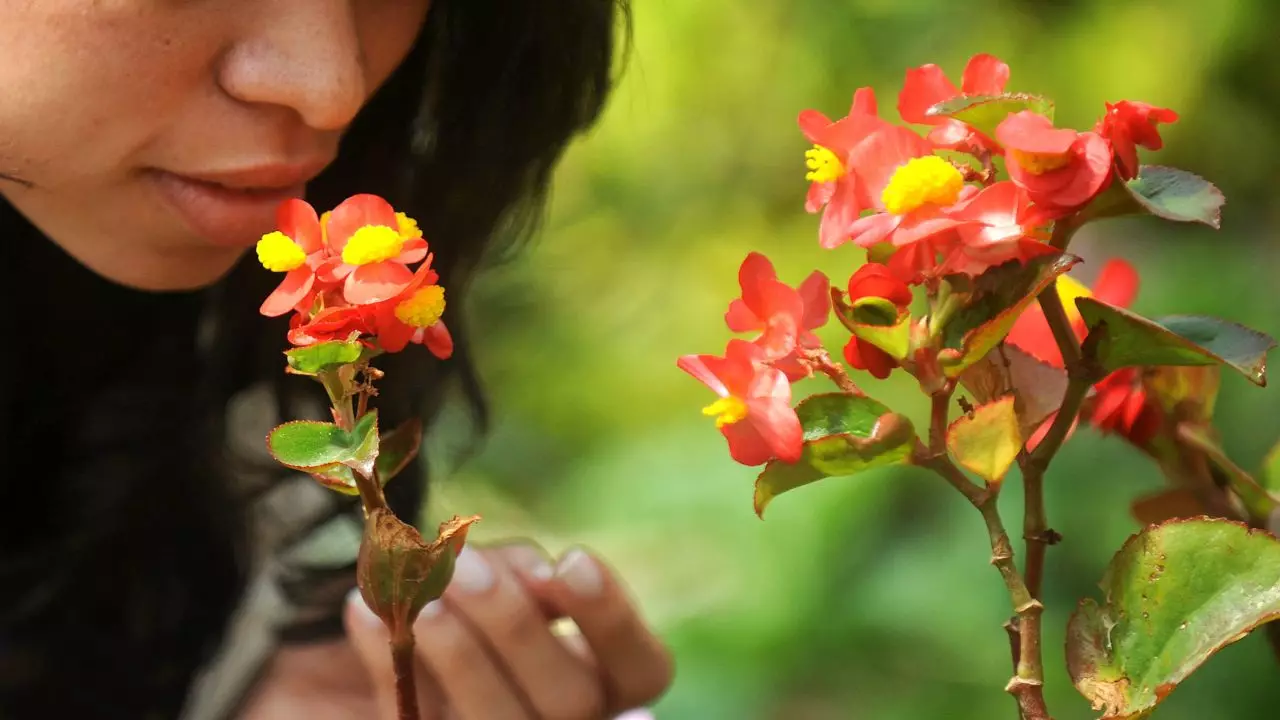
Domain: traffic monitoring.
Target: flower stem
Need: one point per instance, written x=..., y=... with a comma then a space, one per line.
x=402, y=658
x=822, y=362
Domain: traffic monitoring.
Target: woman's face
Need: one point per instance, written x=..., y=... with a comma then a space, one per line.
x=159, y=135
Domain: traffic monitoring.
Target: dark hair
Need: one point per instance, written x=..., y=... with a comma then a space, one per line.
x=125, y=555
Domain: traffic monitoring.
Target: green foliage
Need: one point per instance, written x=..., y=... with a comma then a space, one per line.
x=1175, y=594
x=1127, y=339
x=317, y=446
x=1176, y=195
x=396, y=450
x=877, y=321
x=843, y=435
x=984, y=113
x=314, y=359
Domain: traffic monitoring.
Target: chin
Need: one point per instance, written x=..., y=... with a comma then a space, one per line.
x=173, y=271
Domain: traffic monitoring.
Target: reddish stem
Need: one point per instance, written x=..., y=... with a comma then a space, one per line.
x=402, y=658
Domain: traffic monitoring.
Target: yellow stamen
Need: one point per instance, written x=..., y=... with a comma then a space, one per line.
x=408, y=227
x=823, y=165
x=324, y=226
x=279, y=253
x=921, y=181
x=371, y=244
x=1069, y=290
x=726, y=411
x=1040, y=163
x=423, y=308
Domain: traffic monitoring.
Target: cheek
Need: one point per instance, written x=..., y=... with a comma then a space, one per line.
x=86, y=87
x=388, y=29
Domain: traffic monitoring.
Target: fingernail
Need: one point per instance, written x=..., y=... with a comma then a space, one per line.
x=635, y=715
x=366, y=616
x=580, y=572
x=531, y=562
x=431, y=610
x=472, y=575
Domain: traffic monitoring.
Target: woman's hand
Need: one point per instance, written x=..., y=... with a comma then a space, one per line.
x=486, y=650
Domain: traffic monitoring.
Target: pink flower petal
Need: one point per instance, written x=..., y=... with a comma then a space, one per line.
x=291, y=290
x=376, y=282
x=984, y=75
x=356, y=212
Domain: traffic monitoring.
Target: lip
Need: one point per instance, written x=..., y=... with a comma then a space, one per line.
x=233, y=208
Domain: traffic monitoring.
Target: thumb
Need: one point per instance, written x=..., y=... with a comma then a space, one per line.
x=372, y=644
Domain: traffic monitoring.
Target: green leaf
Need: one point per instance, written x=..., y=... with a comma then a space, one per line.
x=1128, y=339
x=1271, y=470
x=396, y=450
x=310, y=445
x=1174, y=595
x=843, y=435
x=987, y=441
x=984, y=113
x=314, y=359
x=1176, y=195
x=874, y=311
x=991, y=313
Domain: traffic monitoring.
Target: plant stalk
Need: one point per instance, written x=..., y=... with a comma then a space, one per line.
x=402, y=658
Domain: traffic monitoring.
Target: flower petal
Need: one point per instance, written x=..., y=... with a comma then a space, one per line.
x=740, y=318
x=356, y=212
x=438, y=340
x=777, y=424
x=984, y=75
x=297, y=219
x=841, y=212
x=923, y=88
x=291, y=291
x=755, y=271
x=815, y=291
x=1117, y=284
x=376, y=282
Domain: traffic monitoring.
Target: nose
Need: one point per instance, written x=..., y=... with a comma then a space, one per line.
x=304, y=55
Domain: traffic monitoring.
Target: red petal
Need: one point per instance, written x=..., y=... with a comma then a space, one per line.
x=376, y=282
x=1117, y=284
x=753, y=273
x=291, y=290
x=876, y=159
x=746, y=445
x=776, y=423
x=984, y=75
x=871, y=229
x=1032, y=335
x=863, y=355
x=1029, y=132
x=739, y=318
x=876, y=280
x=414, y=250
x=815, y=291
x=705, y=369
x=356, y=212
x=297, y=219
x=818, y=196
x=841, y=211
x=923, y=88
x=864, y=102
x=812, y=123
x=438, y=341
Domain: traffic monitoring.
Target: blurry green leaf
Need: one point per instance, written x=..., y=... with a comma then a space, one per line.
x=396, y=450
x=1176, y=195
x=309, y=445
x=987, y=441
x=874, y=311
x=314, y=359
x=1190, y=392
x=1271, y=470
x=984, y=113
x=843, y=435
x=991, y=314
x=1260, y=505
x=1128, y=339
x=1175, y=594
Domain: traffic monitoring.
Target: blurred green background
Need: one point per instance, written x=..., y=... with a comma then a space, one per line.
x=867, y=597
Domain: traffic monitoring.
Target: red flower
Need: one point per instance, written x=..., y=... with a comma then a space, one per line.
x=999, y=224
x=928, y=85
x=1119, y=405
x=785, y=317
x=372, y=245
x=911, y=188
x=1128, y=124
x=832, y=186
x=296, y=249
x=1060, y=169
x=874, y=280
x=754, y=411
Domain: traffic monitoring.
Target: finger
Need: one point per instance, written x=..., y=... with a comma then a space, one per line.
x=369, y=636
x=474, y=685
x=487, y=593
x=636, y=666
x=531, y=563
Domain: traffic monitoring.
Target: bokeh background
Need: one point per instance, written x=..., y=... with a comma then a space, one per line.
x=866, y=597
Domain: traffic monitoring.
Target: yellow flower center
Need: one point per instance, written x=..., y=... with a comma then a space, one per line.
x=726, y=411
x=1069, y=290
x=279, y=253
x=423, y=308
x=922, y=181
x=371, y=244
x=408, y=227
x=823, y=165
x=1040, y=163
x=324, y=226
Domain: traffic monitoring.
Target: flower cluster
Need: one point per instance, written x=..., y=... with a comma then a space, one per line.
x=937, y=208
x=347, y=276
